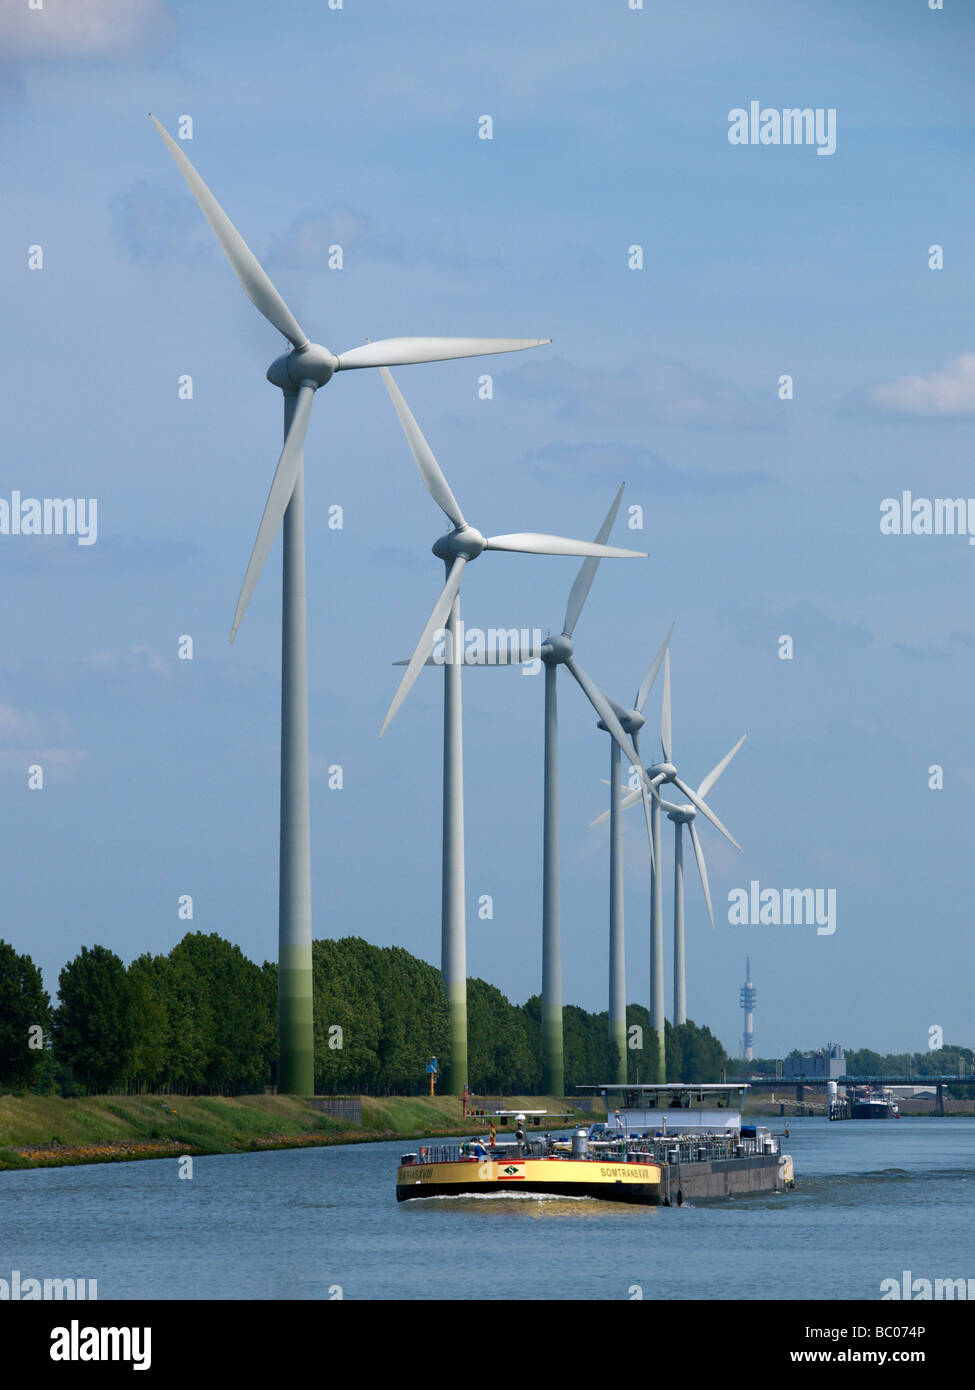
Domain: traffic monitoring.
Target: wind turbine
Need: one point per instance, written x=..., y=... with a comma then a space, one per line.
x=457, y=548
x=632, y=722
x=299, y=373
x=658, y=774
x=555, y=652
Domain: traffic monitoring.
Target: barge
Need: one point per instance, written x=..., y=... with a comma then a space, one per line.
x=664, y=1145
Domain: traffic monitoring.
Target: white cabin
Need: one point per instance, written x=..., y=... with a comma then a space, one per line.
x=674, y=1108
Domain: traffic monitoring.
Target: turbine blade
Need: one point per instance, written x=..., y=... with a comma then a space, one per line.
x=587, y=571
x=250, y=273
x=706, y=811
x=604, y=709
x=701, y=868
x=430, y=472
x=665, y=730
x=646, y=685
x=664, y=805
x=630, y=799
x=716, y=772
x=646, y=816
x=437, y=620
x=282, y=486
x=400, y=352
x=534, y=543
x=626, y=800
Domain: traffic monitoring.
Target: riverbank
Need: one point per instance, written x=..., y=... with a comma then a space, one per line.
x=49, y=1131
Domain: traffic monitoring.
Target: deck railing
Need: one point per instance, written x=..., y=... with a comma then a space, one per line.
x=696, y=1148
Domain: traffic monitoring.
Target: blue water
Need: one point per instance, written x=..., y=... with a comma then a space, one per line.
x=874, y=1198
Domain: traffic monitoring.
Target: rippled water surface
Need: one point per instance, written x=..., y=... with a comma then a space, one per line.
x=874, y=1198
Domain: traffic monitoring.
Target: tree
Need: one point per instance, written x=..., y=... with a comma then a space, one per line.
x=701, y=1056
x=151, y=1051
x=94, y=1026
x=500, y=1054
x=236, y=1036
x=24, y=1005
x=347, y=1016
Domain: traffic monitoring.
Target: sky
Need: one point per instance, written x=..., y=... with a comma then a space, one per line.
x=360, y=127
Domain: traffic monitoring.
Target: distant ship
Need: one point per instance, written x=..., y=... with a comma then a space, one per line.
x=868, y=1104
x=665, y=1145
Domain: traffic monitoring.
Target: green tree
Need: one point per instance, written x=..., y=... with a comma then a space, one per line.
x=24, y=1005
x=500, y=1054
x=151, y=1051
x=415, y=1027
x=94, y=1025
x=348, y=1020
x=235, y=1034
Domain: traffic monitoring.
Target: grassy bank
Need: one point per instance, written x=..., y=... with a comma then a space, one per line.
x=46, y=1131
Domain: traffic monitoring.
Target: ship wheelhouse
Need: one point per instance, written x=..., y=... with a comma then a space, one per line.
x=672, y=1108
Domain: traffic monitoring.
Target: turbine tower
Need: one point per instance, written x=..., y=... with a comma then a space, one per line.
x=299, y=373
x=632, y=722
x=456, y=549
x=748, y=1001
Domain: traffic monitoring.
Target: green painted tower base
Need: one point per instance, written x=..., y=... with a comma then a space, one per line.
x=553, y=1057
x=618, y=1037
x=456, y=1071
x=296, y=1039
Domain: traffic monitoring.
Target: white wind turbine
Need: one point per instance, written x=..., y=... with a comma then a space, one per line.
x=457, y=548
x=559, y=651
x=299, y=373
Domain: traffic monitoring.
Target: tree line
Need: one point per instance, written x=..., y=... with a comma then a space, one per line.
x=203, y=1019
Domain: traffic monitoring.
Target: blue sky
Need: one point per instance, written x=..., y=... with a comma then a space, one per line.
x=359, y=127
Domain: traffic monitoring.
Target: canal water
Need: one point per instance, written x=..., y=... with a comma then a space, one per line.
x=874, y=1198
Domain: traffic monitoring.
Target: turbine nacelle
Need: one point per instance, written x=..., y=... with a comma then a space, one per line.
x=662, y=772
x=464, y=541
x=631, y=719
x=310, y=363
x=681, y=815
x=556, y=651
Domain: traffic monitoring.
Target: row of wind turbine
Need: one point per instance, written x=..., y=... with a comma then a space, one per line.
x=457, y=549
x=299, y=373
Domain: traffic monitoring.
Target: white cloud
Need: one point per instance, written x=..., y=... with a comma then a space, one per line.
x=137, y=660
x=655, y=390
x=946, y=393
x=80, y=28
x=26, y=739
x=16, y=726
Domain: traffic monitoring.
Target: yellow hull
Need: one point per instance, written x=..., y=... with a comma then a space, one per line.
x=653, y=1183
x=622, y=1182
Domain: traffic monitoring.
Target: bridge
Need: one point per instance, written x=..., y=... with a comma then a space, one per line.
x=782, y=1083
